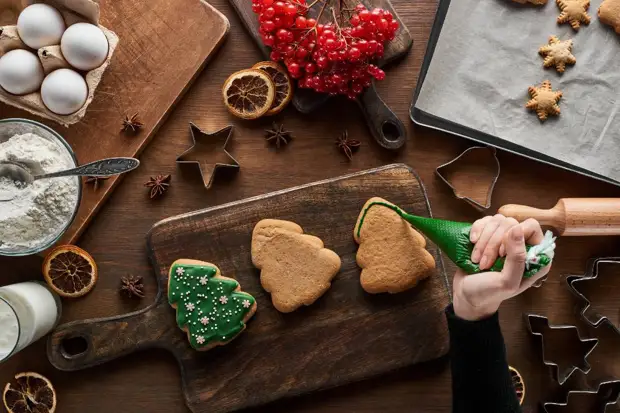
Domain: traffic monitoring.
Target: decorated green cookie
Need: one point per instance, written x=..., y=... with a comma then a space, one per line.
x=211, y=309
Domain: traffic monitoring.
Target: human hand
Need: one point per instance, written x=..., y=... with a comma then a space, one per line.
x=478, y=296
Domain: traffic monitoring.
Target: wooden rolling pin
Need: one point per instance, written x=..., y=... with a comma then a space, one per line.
x=573, y=216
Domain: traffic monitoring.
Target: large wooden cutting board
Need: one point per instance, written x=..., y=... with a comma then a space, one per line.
x=347, y=335
x=163, y=47
x=384, y=125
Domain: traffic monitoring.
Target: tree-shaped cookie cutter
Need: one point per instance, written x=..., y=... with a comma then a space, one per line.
x=464, y=194
x=591, y=275
x=560, y=377
x=607, y=394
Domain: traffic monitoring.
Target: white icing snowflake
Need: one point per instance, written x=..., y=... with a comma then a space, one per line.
x=223, y=299
x=190, y=306
x=200, y=340
x=204, y=321
x=246, y=304
x=180, y=271
x=204, y=280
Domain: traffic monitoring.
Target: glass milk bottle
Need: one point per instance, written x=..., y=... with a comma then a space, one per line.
x=28, y=311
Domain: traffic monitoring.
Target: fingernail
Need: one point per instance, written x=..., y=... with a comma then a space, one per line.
x=473, y=237
x=517, y=233
x=483, y=263
x=475, y=257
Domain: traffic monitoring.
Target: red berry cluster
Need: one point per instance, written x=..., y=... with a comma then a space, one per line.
x=330, y=58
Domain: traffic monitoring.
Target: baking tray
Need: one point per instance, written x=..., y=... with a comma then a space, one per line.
x=420, y=117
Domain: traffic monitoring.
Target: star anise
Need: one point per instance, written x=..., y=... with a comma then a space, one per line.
x=132, y=124
x=132, y=286
x=158, y=185
x=278, y=135
x=346, y=145
x=96, y=181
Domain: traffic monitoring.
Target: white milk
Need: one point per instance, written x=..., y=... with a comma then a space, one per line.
x=37, y=311
x=9, y=330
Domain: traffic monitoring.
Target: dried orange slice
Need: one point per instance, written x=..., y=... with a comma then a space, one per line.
x=31, y=393
x=282, y=82
x=249, y=93
x=518, y=383
x=70, y=271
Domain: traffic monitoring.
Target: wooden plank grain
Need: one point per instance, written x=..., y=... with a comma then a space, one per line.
x=346, y=336
x=163, y=47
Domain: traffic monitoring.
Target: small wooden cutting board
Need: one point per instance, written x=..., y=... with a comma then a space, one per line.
x=347, y=335
x=163, y=47
x=383, y=124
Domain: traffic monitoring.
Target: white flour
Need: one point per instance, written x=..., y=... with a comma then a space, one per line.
x=42, y=209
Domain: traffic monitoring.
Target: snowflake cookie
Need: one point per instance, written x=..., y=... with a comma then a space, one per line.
x=574, y=12
x=210, y=308
x=558, y=53
x=544, y=100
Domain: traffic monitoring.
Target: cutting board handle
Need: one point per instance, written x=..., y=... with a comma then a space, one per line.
x=384, y=125
x=82, y=344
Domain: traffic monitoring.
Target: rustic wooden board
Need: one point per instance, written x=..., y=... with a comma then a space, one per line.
x=347, y=335
x=163, y=47
x=384, y=125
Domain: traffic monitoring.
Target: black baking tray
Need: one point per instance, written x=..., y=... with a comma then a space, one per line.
x=422, y=118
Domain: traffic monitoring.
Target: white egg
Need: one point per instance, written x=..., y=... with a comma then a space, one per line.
x=40, y=25
x=84, y=46
x=20, y=72
x=64, y=91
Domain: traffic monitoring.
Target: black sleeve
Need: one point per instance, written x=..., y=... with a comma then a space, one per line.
x=481, y=381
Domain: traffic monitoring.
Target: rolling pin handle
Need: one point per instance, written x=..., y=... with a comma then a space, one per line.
x=521, y=213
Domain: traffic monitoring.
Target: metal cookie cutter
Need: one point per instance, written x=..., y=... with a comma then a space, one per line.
x=215, y=144
x=606, y=394
x=475, y=157
x=592, y=272
x=561, y=377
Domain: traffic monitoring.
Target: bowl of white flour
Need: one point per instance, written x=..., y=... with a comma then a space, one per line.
x=40, y=213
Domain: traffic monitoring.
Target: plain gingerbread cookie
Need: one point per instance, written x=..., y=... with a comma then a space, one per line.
x=574, y=12
x=392, y=255
x=296, y=268
x=544, y=100
x=609, y=13
x=558, y=53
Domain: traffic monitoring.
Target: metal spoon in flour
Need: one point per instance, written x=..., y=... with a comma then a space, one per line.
x=25, y=173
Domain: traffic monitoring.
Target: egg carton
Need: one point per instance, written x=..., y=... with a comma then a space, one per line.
x=73, y=11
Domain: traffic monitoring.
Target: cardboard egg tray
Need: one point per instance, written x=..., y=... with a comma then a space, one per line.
x=73, y=11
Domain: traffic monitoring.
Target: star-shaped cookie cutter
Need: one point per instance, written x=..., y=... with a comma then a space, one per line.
x=607, y=394
x=561, y=377
x=592, y=272
x=203, y=139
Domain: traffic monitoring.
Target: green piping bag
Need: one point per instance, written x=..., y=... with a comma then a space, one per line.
x=453, y=239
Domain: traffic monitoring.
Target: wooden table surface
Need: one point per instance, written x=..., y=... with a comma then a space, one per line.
x=149, y=381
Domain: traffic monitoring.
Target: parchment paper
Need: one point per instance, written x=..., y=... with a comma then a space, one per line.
x=487, y=57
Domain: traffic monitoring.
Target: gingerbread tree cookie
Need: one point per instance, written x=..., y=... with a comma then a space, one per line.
x=609, y=13
x=211, y=309
x=544, y=100
x=574, y=12
x=392, y=255
x=295, y=267
x=558, y=53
